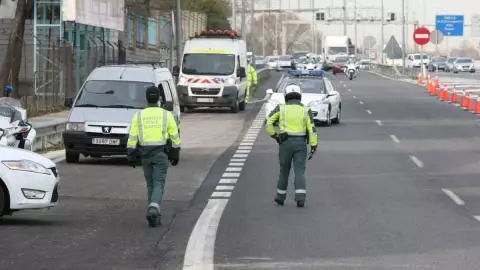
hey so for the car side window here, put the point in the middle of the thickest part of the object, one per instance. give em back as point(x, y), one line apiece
point(174, 90)
point(167, 91)
point(328, 86)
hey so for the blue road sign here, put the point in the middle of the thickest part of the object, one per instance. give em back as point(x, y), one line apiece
point(450, 25)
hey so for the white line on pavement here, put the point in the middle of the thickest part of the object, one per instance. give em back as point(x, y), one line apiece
point(361, 102)
point(231, 175)
point(349, 90)
point(247, 143)
point(477, 218)
point(233, 169)
point(245, 147)
point(369, 112)
point(379, 122)
point(453, 196)
point(354, 97)
point(228, 181)
point(344, 85)
point(394, 138)
point(238, 160)
point(417, 161)
point(200, 248)
point(243, 151)
point(233, 164)
point(224, 188)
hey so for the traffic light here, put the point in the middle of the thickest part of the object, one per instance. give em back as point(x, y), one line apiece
point(392, 16)
point(320, 16)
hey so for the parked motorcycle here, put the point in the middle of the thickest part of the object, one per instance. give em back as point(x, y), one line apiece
point(351, 70)
point(15, 131)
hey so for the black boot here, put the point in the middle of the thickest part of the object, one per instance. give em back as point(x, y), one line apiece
point(153, 217)
point(300, 204)
point(280, 201)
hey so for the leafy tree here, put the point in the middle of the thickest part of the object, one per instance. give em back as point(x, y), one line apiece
point(217, 11)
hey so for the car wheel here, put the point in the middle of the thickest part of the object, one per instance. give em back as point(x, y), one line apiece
point(336, 120)
point(241, 106)
point(182, 108)
point(3, 201)
point(236, 106)
point(72, 157)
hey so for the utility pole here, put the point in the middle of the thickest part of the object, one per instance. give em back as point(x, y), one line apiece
point(234, 14)
point(178, 31)
point(383, 33)
point(345, 17)
point(244, 29)
point(314, 40)
point(252, 11)
point(263, 34)
point(356, 24)
point(403, 33)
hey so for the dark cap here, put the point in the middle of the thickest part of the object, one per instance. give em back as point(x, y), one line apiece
point(152, 94)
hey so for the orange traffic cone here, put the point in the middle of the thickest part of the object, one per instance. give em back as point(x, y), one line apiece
point(477, 107)
point(471, 106)
point(464, 101)
point(419, 78)
point(441, 94)
point(436, 82)
point(454, 97)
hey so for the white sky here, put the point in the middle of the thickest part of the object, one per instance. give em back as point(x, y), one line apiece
point(422, 10)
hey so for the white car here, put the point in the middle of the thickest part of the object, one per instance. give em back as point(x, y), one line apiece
point(271, 62)
point(284, 62)
point(463, 65)
point(318, 93)
point(27, 181)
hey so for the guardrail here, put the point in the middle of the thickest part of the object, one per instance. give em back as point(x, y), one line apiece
point(50, 134)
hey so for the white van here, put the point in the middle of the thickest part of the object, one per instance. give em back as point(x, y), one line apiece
point(100, 115)
point(213, 71)
point(415, 60)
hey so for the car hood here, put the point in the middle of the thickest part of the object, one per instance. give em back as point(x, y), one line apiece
point(10, 153)
point(82, 115)
point(284, 62)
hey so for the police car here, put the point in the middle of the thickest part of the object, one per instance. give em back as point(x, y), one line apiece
point(318, 93)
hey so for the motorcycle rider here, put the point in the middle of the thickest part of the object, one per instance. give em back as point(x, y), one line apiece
point(14, 116)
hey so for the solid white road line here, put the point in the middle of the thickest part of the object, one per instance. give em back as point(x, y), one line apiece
point(354, 97)
point(240, 155)
point(453, 196)
point(394, 138)
point(243, 151)
point(199, 254)
point(227, 181)
point(417, 161)
point(361, 102)
point(224, 188)
point(245, 147)
point(246, 143)
point(231, 175)
point(379, 122)
point(233, 164)
point(238, 160)
point(233, 169)
point(369, 112)
point(477, 218)
point(349, 90)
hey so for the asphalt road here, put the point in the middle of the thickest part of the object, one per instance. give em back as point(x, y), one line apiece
point(395, 186)
point(100, 221)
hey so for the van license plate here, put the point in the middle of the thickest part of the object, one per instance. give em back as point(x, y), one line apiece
point(205, 100)
point(106, 141)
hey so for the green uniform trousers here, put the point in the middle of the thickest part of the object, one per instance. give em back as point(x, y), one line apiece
point(155, 167)
point(294, 149)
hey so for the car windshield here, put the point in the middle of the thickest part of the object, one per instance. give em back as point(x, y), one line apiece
point(451, 60)
point(307, 84)
point(307, 60)
point(273, 59)
point(208, 64)
point(285, 58)
point(438, 60)
point(464, 61)
point(113, 94)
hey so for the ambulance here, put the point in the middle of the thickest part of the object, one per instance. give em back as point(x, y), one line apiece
point(213, 71)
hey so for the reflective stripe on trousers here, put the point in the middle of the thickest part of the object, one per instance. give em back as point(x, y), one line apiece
point(140, 131)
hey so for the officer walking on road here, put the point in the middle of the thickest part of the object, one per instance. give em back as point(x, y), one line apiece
point(154, 137)
point(296, 130)
point(251, 79)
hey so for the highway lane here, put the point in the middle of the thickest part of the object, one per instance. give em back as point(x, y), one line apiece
point(377, 192)
point(100, 222)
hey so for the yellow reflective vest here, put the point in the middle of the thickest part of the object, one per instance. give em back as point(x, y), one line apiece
point(153, 127)
point(294, 119)
point(251, 75)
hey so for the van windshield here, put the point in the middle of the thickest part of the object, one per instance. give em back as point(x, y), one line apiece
point(208, 64)
point(113, 94)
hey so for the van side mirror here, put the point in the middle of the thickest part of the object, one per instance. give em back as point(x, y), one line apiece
point(270, 91)
point(68, 103)
point(176, 71)
point(241, 72)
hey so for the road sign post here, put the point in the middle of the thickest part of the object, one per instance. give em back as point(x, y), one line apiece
point(421, 36)
point(436, 37)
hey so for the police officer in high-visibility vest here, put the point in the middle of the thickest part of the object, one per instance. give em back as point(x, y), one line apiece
point(251, 79)
point(154, 137)
point(296, 130)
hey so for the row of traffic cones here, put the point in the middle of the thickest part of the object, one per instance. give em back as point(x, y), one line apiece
point(466, 101)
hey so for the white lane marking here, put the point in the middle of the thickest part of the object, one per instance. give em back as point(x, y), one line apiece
point(349, 90)
point(249, 140)
point(453, 196)
point(361, 102)
point(417, 161)
point(200, 248)
point(231, 175)
point(243, 151)
point(238, 160)
point(228, 181)
point(379, 122)
point(369, 112)
point(233, 164)
point(354, 97)
point(224, 188)
point(394, 138)
point(477, 218)
point(344, 85)
point(233, 169)
point(245, 147)
point(240, 155)
point(341, 82)
point(246, 143)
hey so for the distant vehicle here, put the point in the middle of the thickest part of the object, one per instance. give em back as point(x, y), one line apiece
point(464, 65)
point(309, 63)
point(416, 60)
point(365, 63)
point(449, 64)
point(259, 60)
point(271, 61)
point(27, 181)
point(339, 64)
point(296, 55)
point(335, 46)
point(437, 63)
point(284, 62)
point(318, 93)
